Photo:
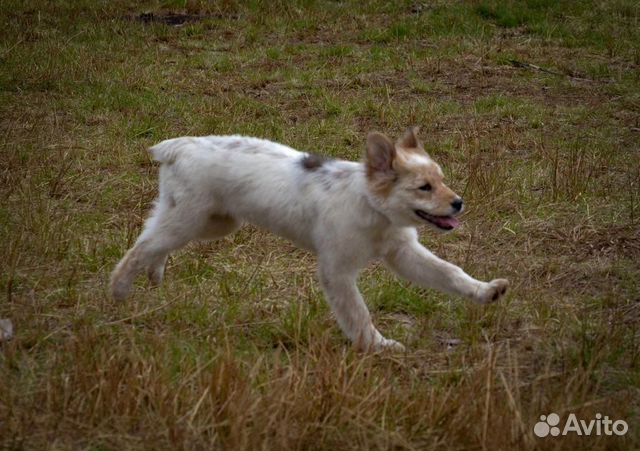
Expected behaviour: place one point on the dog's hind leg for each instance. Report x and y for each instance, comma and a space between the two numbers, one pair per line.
164, 231
169, 228
216, 226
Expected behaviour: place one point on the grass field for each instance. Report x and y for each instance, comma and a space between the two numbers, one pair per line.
533, 109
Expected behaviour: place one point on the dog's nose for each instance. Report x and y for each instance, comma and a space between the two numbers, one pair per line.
457, 204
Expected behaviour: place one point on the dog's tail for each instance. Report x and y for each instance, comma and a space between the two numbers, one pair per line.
168, 150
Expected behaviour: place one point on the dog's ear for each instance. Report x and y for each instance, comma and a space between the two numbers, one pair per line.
410, 139
380, 154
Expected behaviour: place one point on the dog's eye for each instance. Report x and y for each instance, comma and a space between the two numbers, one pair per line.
425, 187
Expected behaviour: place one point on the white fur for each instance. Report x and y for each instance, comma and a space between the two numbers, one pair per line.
210, 185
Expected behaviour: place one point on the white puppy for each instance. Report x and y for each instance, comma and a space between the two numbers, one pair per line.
347, 213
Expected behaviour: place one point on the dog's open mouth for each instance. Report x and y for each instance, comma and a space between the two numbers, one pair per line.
442, 222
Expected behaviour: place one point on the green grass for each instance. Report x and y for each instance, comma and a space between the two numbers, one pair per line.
238, 349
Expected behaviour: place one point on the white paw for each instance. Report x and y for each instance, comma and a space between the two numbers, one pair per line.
387, 344
119, 291
493, 291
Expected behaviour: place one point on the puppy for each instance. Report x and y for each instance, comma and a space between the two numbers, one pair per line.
347, 213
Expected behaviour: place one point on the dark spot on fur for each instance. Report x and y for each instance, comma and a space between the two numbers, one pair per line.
312, 162
495, 296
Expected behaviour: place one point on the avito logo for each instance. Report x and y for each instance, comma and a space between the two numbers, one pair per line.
549, 425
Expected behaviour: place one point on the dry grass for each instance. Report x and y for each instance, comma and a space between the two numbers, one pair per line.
238, 350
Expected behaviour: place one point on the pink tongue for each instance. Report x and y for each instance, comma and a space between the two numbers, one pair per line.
446, 221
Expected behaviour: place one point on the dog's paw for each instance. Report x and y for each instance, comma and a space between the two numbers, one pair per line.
119, 286
119, 292
387, 344
493, 291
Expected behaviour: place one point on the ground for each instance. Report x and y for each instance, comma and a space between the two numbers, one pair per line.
533, 109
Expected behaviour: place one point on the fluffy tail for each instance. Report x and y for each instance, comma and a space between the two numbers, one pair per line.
168, 150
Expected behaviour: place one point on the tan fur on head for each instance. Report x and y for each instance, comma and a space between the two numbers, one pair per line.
417, 169
379, 161
406, 179
380, 155
409, 141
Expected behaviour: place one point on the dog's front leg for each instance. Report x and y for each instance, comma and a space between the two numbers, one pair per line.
409, 259
341, 291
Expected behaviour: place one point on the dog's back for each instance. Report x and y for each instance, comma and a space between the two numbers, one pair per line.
221, 147
258, 181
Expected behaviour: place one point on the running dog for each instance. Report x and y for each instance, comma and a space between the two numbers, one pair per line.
347, 213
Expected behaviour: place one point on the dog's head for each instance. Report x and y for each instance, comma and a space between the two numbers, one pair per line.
407, 185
